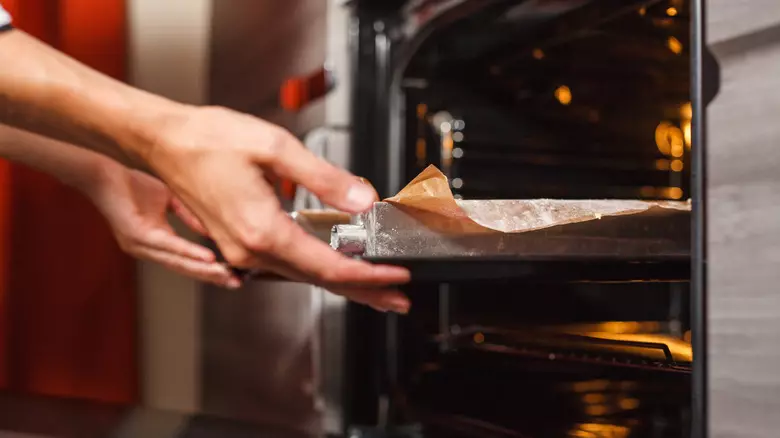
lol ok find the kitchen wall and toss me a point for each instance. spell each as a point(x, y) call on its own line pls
point(248, 354)
point(169, 47)
point(252, 354)
point(743, 231)
point(259, 343)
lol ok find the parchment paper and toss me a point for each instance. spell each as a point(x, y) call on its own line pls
point(428, 197)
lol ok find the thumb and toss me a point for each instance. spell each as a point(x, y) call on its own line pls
point(371, 186)
point(334, 186)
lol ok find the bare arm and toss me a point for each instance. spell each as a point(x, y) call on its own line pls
point(47, 92)
point(134, 204)
point(71, 165)
point(215, 160)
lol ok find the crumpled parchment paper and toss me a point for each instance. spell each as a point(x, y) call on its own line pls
point(428, 197)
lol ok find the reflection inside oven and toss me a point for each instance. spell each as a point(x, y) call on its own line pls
point(546, 360)
point(523, 100)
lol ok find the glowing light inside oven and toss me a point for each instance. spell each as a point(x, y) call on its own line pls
point(672, 193)
point(686, 113)
point(674, 45)
point(593, 430)
point(661, 192)
point(628, 404)
point(422, 110)
point(669, 139)
point(663, 164)
point(563, 94)
point(594, 398)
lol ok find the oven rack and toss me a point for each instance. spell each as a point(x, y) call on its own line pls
point(456, 426)
point(595, 414)
point(566, 348)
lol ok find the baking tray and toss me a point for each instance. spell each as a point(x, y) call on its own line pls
point(544, 269)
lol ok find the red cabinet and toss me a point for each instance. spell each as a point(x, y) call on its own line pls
point(67, 293)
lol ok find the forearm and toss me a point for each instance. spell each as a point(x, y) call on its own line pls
point(74, 166)
point(46, 92)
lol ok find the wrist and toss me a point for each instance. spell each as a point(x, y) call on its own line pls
point(147, 134)
point(96, 175)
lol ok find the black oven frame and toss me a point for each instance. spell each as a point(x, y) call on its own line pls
point(372, 102)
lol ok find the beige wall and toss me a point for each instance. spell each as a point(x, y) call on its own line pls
point(256, 44)
point(259, 344)
point(169, 52)
point(743, 211)
point(249, 354)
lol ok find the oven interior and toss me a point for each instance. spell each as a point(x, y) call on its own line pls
point(540, 99)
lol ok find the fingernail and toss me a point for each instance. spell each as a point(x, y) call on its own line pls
point(368, 184)
point(401, 307)
point(360, 197)
point(400, 310)
point(233, 283)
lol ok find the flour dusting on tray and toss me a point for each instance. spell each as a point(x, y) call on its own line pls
point(429, 198)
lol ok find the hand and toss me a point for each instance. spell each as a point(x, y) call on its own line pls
point(213, 159)
point(136, 206)
point(218, 162)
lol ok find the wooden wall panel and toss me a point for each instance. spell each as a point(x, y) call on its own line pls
point(730, 19)
point(743, 159)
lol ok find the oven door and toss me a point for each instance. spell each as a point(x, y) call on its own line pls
point(741, 135)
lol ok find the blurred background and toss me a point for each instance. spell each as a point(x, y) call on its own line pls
point(511, 99)
point(79, 319)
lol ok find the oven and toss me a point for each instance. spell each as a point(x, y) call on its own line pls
point(652, 100)
point(569, 99)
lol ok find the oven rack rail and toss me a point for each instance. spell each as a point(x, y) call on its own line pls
point(470, 427)
point(566, 348)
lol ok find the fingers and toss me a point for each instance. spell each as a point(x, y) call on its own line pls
point(212, 272)
point(186, 216)
point(334, 186)
point(165, 240)
point(380, 299)
point(322, 265)
point(368, 183)
point(383, 300)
